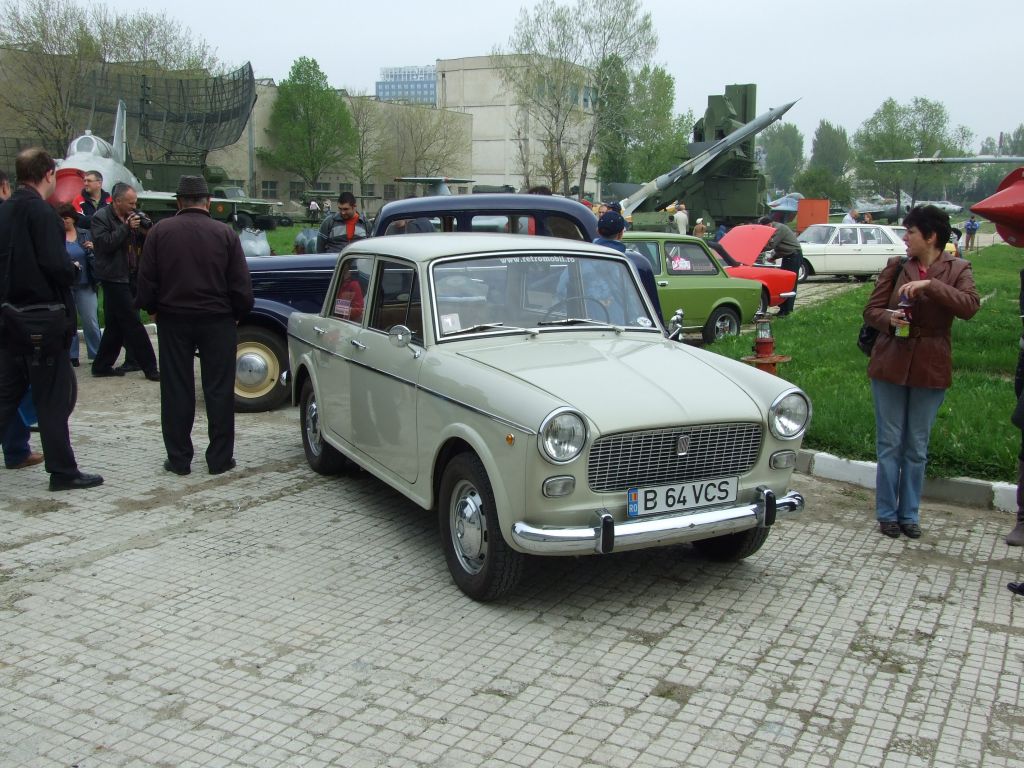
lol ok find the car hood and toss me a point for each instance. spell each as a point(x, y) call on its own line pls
point(745, 242)
point(623, 384)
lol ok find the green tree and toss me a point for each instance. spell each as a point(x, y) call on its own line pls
point(54, 45)
point(658, 140)
point(613, 122)
point(310, 128)
point(784, 153)
point(918, 129)
point(830, 149)
point(819, 182)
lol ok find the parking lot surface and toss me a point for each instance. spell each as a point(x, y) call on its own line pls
point(273, 617)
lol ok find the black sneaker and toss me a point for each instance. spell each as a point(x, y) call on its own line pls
point(101, 373)
point(168, 466)
point(889, 528)
point(153, 375)
point(129, 367)
point(74, 482)
point(911, 530)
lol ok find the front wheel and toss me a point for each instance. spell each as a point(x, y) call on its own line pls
point(481, 563)
point(723, 322)
point(732, 546)
point(260, 360)
point(766, 300)
point(323, 458)
point(804, 271)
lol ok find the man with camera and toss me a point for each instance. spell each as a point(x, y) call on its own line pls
point(118, 231)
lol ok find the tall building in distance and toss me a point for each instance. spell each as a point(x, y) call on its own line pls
point(413, 85)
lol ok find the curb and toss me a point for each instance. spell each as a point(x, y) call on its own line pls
point(955, 490)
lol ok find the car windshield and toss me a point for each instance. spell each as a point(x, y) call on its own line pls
point(525, 292)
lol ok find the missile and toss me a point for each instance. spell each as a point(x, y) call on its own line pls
point(696, 164)
point(1005, 208)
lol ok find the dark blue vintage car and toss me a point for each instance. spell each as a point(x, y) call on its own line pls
point(285, 284)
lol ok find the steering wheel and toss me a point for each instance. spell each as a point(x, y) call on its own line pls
point(565, 302)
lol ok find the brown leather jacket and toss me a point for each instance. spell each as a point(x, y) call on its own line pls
point(925, 359)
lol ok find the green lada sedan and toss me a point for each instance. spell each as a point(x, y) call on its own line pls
point(690, 278)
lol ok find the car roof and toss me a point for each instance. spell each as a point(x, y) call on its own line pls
point(639, 234)
point(424, 247)
point(496, 202)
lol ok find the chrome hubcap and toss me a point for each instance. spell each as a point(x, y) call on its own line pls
point(313, 427)
point(469, 527)
point(251, 369)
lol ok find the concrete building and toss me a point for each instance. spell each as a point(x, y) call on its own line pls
point(412, 85)
point(502, 137)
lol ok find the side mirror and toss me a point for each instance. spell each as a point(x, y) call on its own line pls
point(675, 325)
point(401, 336)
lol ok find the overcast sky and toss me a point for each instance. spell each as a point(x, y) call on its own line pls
point(841, 59)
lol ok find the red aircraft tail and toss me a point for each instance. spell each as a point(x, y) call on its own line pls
point(1005, 208)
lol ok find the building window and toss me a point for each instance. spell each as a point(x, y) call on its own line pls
point(390, 191)
point(369, 190)
point(321, 188)
point(296, 189)
point(344, 187)
point(268, 189)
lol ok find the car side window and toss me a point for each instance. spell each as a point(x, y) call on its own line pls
point(871, 236)
point(816, 235)
point(351, 290)
point(848, 236)
point(688, 259)
point(396, 299)
point(649, 250)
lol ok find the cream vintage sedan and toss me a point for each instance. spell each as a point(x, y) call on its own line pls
point(523, 388)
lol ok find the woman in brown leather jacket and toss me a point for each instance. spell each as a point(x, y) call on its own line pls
point(913, 306)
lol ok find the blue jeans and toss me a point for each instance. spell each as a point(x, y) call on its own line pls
point(903, 424)
point(86, 303)
point(15, 437)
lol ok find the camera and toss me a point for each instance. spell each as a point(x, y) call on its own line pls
point(144, 220)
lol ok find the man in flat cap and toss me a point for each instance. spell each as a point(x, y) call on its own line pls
point(193, 278)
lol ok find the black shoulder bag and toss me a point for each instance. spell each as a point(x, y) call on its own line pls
point(31, 329)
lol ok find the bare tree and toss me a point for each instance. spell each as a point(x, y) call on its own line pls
point(553, 63)
point(428, 141)
point(369, 124)
point(49, 48)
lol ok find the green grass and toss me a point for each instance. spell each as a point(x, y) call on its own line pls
point(282, 239)
point(972, 435)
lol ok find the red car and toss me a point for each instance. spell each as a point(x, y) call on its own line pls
point(739, 248)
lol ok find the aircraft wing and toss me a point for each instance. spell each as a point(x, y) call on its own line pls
point(979, 159)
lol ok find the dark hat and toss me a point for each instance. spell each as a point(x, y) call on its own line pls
point(765, 220)
point(192, 186)
point(610, 223)
point(614, 205)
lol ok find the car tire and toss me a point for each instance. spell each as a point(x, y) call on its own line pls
point(260, 358)
point(766, 301)
point(266, 223)
point(482, 564)
point(322, 457)
point(723, 322)
point(732, 546)
point(862, 278)
point(804, 271)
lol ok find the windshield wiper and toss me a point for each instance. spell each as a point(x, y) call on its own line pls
point(491, 326)
point(582, 321)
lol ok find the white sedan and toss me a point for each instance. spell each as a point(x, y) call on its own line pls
point(861, 250)
point(523, 389)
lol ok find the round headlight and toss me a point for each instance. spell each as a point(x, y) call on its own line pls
point(562, 436)
point(789, 415)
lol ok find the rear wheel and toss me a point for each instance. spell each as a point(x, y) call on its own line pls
point(322, 457)
point(260, 359)
point(723, 322)
point(481, 563)
point(732, 546)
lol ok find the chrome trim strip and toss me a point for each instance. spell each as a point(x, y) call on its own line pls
point(674, 529)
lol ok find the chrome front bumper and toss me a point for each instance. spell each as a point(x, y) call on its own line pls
point(606, 535)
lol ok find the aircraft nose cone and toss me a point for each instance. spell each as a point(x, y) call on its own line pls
point(1005, 208)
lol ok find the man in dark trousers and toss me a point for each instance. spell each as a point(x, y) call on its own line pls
point(787, 248)
point(117, 231)
point(34, 269)
point(194, 279)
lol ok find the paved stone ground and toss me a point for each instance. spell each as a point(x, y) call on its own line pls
point(272, 617)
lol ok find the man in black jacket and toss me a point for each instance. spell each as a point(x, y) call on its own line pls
point(35, 270)
point(91, 199)
point(193, 277)
point(117, 231)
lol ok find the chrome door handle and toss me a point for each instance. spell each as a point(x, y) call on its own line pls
point(318, 330)
point(663, 283)
point(358, 344)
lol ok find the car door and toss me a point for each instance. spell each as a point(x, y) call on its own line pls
point(384, 377)
point(690, 280)
point(843, 252)
point(339, 327)
point(879, 245)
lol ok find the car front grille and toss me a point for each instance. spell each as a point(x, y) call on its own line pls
point(650, 458)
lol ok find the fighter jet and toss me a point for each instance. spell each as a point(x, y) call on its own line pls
point(435, 185)
point(696, 164)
